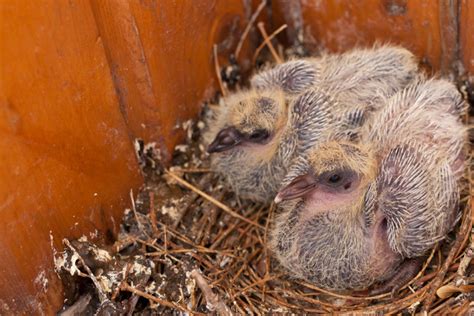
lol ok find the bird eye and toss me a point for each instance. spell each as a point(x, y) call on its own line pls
point(259, 135)
point(334, 178)
point(342, 180)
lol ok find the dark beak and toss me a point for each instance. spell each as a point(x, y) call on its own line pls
point(226, 139)
point(297, 188)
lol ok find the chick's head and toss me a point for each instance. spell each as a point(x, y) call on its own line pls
point(252, 119)
point(335, 170)
point(246, 140)
point(327, 231)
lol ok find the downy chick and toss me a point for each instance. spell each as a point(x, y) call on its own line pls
point(356, 214)
point(256, 133)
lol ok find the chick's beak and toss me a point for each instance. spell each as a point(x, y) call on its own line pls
point(297, 188)
point(226, 139)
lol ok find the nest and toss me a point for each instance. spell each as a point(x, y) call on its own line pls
point(189, 244)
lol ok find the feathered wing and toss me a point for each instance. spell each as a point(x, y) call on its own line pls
point(426, 111)
point(419, 140)
point(406, 197)
point(292, 77)
point(366, 76)
point(312, 118)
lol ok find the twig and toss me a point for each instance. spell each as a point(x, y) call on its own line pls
point(395, 306)
point(265, 238)
point(423, 269)
point(134, 210)
point(267, 41)
point(196, 249)
point(452, 253)
point(466, 259)
point(152, 213)
point(365, 298)
point(192, 170)
point(212, 200)
point(128, 288)
point(265, 244)
point(218, 72)
point(259, 282)
point(248, 299)
point(165, 239)
point(125, 275)
point(431, 275)
point(435, 310)
point(249, 27)
point(262, 45)
point(464, 309)
point(102, 297)
point(212, 299)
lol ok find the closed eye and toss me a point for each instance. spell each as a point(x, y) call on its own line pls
point(259, 136)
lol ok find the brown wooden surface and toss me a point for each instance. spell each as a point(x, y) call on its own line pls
point(160, 53)
point(466, 36)
point(80, 80)
point(427, 27)
point(67, 163)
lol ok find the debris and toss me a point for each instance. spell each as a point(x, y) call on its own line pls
point(190, 245)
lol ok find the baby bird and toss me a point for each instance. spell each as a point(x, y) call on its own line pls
point(256, 133)
point(359, 213)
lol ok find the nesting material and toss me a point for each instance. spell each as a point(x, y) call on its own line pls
point(189, 244)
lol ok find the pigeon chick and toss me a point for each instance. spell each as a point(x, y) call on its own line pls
point(359, 213)
point(256, 133)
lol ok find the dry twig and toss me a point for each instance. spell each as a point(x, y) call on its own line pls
point(268, 42)
point(217, 68)
point(249, 27)
point(128, 288)
point(214, 303)
point(102, 297)
point(212, 200)
point(262, 45)
point(463, 231)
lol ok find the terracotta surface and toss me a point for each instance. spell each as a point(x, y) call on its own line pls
point(427, 27)
point(466, 36)
point(67, 161)
point(80, 80)
point(160, 55)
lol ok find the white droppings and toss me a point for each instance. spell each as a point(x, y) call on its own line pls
point(181, 148)
point(73, 270)
point(105, 283)
point(102, 255)
point(171, 209)
point(42, 281)
point(190, 283)
point(139, 268)
point(94, 234)
point(201, 125)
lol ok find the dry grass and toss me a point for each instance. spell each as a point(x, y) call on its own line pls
point(190, 245)
point(203, 250)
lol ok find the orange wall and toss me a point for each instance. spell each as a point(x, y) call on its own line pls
point(80, 80)
point(466, 36)
point(427, 27)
